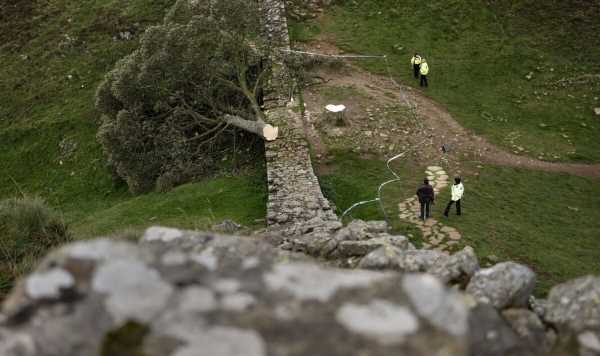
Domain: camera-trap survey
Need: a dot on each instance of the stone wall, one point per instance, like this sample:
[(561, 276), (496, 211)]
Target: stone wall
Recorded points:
[(295, 196), (275, 23), (294, 192)]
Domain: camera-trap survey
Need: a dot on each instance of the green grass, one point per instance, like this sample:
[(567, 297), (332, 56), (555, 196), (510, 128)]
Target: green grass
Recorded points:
[(341, 93), (351, 179), (54, 54), (480, 54), (302, 32), (191, 206), (48, 84), (548, 221), (40, 106)]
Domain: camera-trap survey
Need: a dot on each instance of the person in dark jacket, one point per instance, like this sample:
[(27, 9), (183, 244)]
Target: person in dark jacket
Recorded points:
[(426, 197)]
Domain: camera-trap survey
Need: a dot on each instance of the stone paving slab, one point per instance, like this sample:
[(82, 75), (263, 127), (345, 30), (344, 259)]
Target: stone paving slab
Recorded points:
[(435, 234)]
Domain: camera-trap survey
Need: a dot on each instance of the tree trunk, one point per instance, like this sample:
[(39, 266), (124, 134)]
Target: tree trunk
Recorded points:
[(266, 131)]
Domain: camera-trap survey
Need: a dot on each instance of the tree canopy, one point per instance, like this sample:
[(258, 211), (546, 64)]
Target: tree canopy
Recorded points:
[(166, 107)]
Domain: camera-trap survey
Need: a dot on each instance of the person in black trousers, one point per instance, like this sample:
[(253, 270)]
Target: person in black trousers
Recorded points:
[(426, 197), (415, 61), (457, 193)]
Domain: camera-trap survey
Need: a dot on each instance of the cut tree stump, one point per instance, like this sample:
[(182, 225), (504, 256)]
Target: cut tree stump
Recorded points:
[(338, 112)]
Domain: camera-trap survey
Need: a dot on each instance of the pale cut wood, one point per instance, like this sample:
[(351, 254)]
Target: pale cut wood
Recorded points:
[(260, 128)]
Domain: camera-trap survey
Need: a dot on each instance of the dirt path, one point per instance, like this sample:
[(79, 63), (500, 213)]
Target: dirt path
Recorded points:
[(440, 126)]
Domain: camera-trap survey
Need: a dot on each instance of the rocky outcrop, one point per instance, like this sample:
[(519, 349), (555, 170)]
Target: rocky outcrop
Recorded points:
[(190, 293), (183, 293)]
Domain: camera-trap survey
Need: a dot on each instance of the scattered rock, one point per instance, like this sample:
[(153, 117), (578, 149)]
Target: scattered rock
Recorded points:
[(382, 258), (491, 335), (530, 329), (459, 267), (507, 284), (361, 248), (574, 305), (406, 261), (227, 226)]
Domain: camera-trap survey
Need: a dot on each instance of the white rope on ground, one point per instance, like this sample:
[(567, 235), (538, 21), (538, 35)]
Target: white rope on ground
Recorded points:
[(331, 55), (379, 198)]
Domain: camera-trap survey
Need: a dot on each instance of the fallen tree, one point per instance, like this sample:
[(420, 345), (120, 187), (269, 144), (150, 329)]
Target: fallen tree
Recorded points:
[(173, 107), (266, 131)]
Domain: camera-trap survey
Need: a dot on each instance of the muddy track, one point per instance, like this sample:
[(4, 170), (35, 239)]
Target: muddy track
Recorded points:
[(442, 127), (435, 114)]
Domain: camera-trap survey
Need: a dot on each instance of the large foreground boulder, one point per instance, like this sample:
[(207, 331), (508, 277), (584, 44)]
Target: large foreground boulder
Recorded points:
[(193, 294)]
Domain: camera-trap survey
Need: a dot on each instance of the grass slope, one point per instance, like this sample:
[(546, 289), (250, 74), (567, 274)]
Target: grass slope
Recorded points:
[(480, 54), (350, 179), (53, 54), (191, 206), (548, 221)]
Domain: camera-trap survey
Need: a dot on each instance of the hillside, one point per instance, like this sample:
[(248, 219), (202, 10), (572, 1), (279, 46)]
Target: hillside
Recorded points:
[(524, 74), (545, 220), (54, 53)]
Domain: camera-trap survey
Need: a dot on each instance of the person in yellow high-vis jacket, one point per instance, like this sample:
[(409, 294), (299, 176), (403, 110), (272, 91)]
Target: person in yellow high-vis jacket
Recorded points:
[(424, 70), (415, 61)]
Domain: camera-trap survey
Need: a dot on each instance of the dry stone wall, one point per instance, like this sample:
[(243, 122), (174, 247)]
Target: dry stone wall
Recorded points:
[(275, 23), (295, 196)]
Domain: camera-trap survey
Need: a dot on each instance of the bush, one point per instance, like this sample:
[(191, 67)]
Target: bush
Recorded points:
[(28, 230)]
